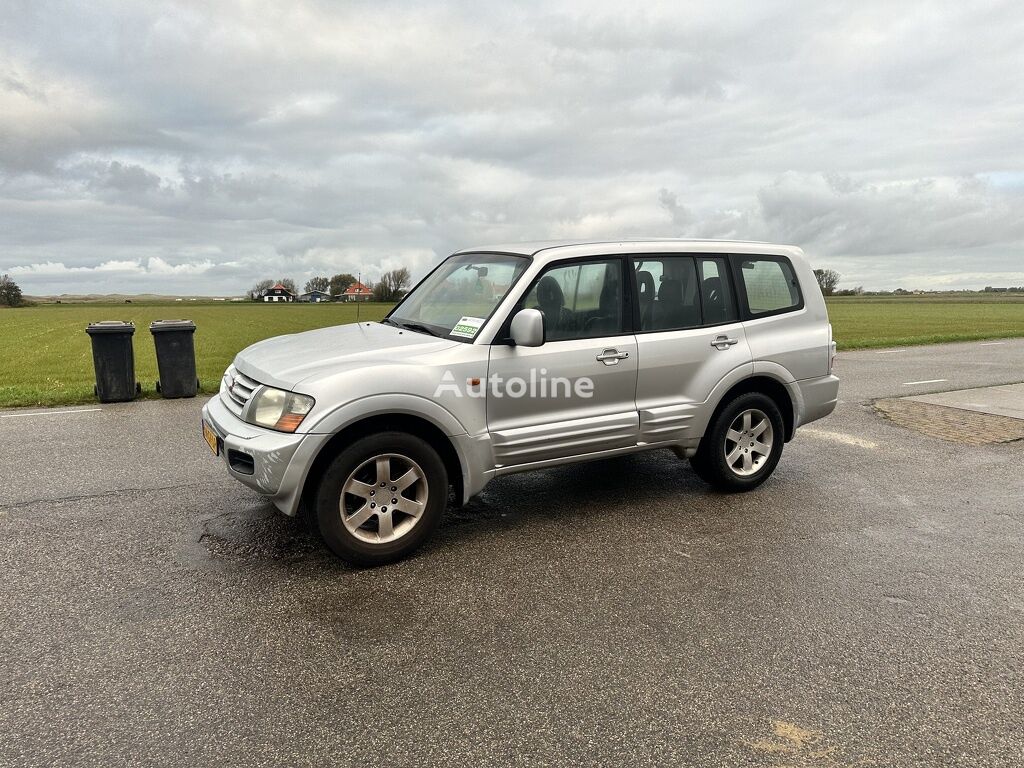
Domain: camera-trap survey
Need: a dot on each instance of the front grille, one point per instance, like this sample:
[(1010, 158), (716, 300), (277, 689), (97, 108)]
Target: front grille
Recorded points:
[(238, 388)]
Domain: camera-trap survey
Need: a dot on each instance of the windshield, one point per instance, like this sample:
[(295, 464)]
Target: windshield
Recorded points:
[(458, 297)]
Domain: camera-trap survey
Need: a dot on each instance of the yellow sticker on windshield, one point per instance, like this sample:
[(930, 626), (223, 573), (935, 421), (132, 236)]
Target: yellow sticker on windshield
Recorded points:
[(467, 327)]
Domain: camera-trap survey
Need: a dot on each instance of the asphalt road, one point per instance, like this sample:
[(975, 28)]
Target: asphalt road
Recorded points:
[(864, 607)]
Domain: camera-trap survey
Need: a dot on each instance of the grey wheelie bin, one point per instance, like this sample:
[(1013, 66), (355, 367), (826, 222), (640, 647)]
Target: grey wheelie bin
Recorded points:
[(114, 360), (175, 357)]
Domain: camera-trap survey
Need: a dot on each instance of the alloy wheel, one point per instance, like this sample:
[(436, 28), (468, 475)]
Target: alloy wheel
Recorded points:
[(748, 442), (383, 498)]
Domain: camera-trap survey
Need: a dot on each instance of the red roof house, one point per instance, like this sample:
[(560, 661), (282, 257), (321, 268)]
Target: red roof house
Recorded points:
[(357, 292)]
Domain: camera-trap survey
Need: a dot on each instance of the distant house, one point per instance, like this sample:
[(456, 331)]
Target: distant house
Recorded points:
[(356, 292), (315, 297), (278, 293)]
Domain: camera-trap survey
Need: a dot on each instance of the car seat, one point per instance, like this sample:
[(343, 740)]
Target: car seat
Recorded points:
[(558, 321), (645, 289), (714, 301)]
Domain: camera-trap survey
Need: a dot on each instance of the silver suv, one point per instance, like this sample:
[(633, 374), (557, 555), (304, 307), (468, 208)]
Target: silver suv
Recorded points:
[(517, 357)]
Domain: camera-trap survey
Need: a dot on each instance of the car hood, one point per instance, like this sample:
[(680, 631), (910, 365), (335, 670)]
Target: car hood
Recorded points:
[(286, 361)]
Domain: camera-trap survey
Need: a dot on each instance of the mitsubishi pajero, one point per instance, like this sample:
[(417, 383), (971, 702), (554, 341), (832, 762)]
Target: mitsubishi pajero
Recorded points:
[(516, 357)]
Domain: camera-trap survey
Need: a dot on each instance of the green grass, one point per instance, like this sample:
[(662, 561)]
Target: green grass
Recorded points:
[(869, 322), (46, 357)]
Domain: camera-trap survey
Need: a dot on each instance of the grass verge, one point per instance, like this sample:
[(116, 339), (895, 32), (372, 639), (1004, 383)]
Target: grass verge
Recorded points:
[(46, 357)]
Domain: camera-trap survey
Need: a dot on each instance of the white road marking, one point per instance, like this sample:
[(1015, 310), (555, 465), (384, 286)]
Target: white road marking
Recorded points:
[(889, 351), (991, 343), (839, 437), (46, 413), (926, 381)]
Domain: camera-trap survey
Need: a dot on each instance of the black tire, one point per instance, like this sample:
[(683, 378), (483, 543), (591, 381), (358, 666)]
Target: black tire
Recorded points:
[(345, 543), (710, 462)]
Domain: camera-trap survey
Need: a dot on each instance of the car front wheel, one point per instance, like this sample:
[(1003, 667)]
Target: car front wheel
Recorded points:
[(381, 498), (742, 445)]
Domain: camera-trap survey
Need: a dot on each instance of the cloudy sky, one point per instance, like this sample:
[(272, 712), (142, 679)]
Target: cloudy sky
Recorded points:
[(195, 147)]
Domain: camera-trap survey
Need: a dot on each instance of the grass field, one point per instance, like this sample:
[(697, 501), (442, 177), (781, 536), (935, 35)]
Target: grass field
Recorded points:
[(46, 358), (866, 322), (46, 355)]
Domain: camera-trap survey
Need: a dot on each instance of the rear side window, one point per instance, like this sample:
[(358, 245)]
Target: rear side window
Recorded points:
[(667, 293), (770, 285), (678, 292), (715, 291)]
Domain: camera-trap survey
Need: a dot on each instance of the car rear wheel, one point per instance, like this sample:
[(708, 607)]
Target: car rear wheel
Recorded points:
[(742, 445), (381, 498)]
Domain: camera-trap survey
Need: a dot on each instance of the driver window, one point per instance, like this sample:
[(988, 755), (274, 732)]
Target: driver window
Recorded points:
[(579, 301)]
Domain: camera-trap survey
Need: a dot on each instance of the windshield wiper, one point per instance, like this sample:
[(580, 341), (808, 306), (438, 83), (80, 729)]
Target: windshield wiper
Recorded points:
[(392, 322), (419, 327)]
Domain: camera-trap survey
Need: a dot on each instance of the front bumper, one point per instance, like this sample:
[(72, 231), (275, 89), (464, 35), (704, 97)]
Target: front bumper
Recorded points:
[(271, 463)]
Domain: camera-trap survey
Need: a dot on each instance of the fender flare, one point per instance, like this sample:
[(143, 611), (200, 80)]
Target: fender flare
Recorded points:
[(762, 368), (785, 378), (361, 408), (354, 411)]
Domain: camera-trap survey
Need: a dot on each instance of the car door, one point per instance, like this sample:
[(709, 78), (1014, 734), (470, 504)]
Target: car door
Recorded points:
[(689, 338), (574, 394)]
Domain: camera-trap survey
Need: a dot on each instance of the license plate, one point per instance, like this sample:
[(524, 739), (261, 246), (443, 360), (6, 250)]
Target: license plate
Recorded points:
[(211, 438)]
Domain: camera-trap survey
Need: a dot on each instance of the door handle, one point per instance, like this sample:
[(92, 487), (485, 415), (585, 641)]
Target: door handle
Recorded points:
[(612, 356), (723, 342)]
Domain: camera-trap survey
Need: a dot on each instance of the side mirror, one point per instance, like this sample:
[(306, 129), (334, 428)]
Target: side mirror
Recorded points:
[(528, 328)]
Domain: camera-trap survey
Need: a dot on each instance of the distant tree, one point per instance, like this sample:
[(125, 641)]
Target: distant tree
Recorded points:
[(317, 284), (828, 279), (288, 283), (392, 285), (10, 293), (339, 283), (256, 292)]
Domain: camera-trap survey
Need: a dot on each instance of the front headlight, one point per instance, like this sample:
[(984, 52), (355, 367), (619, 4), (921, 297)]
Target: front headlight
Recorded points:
[(280, 410)]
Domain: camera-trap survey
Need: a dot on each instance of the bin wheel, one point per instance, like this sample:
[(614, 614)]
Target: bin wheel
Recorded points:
[(138, 387), (95, 391), (158, 385)]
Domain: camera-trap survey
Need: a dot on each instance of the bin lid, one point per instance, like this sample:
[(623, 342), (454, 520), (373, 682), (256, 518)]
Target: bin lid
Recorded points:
[(110, 326), (162, 326)]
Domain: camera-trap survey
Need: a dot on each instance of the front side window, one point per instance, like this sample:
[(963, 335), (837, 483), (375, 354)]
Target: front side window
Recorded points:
[(458, 297), (580, 300), (770, 285)]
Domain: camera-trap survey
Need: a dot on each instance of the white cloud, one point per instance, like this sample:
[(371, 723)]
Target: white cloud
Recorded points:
[(204, 146), (841, 216), (59, 269), (153, 266)]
